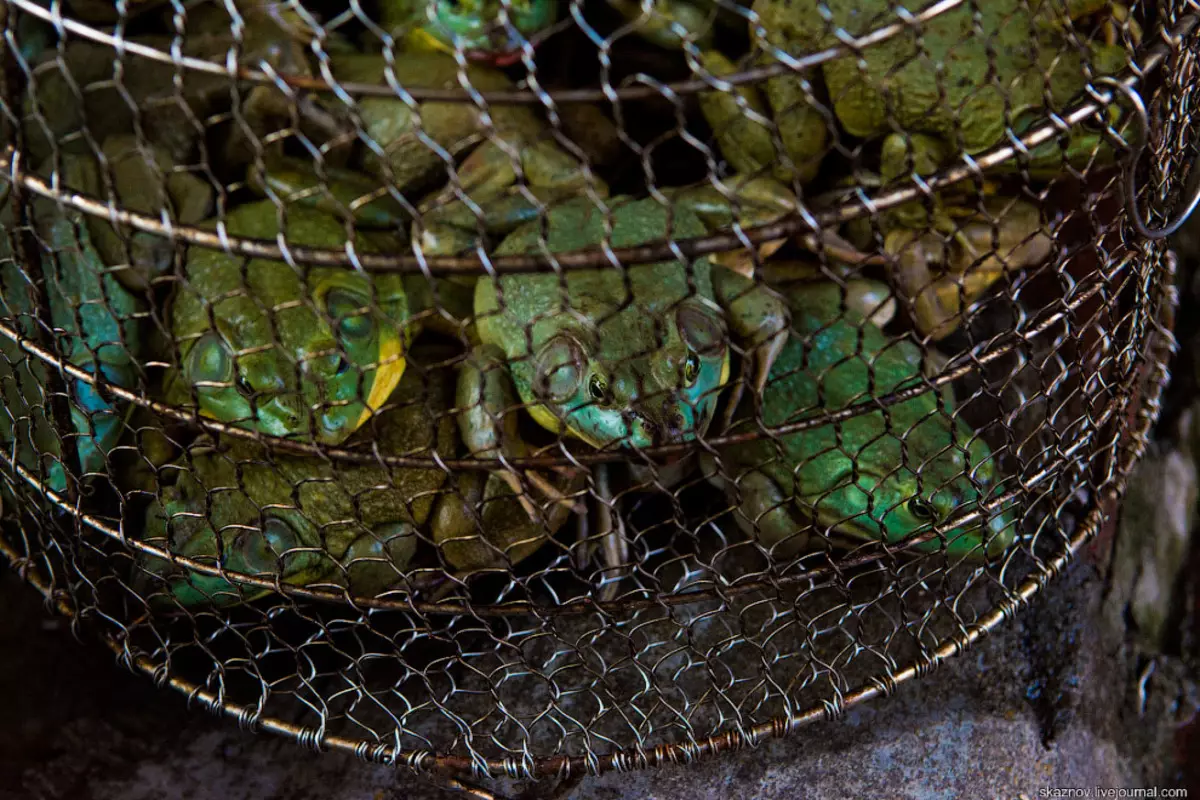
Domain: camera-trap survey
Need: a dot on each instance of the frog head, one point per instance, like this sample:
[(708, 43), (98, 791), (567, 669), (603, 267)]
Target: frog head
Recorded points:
[(318, 365), (489, 31), (608, 388), (886, 496)]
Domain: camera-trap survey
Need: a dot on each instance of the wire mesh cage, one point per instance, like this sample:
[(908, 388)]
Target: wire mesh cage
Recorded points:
[(528, 388)]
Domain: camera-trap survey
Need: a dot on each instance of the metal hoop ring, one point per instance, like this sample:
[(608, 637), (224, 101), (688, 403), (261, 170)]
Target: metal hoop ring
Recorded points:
[(1135, 155)]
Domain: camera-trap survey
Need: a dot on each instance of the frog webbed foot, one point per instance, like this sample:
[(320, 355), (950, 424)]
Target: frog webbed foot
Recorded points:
[(375, 562), (488, 422), (759, 317)]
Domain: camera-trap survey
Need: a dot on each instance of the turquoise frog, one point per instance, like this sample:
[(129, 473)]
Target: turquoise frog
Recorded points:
[(267, 347), (27, 432), (873, 477), (628, 358), (96, 321)]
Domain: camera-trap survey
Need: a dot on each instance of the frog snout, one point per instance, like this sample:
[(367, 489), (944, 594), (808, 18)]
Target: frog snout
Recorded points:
[(665, 425)]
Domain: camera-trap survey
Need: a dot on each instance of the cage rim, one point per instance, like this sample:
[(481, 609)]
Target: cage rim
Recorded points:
[(803, 220), (1132, 443)]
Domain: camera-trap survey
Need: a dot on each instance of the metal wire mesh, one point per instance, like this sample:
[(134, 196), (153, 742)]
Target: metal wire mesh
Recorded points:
[(530, 388)]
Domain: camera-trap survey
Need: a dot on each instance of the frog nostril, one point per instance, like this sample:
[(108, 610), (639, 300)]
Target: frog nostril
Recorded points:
[(343, 366)]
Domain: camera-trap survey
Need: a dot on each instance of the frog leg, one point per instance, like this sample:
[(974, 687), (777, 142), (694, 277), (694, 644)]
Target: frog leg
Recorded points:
[(759, 317), (768, 516), (746, 202), (490, 197), (454, 227), (613, 544), (374, 562), (871, 299), (487, 401), (479, 526), (667, 23)]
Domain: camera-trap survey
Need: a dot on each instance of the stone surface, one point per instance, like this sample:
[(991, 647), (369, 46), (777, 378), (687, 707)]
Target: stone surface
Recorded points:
[(1047, 701)]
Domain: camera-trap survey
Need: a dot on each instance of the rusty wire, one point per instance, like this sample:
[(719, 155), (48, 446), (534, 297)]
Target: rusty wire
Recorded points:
[(297, 318)]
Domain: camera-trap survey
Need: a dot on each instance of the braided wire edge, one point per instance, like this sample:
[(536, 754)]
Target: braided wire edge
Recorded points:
[(1155, 373)]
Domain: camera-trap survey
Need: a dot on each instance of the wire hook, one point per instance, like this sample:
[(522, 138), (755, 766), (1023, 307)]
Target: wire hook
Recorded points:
[(1135, 155)]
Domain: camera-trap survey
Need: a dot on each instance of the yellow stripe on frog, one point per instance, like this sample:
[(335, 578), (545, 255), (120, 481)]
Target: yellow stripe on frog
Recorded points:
[(387, 375)]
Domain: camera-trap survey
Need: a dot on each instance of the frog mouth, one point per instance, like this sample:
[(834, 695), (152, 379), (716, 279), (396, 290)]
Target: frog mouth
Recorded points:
[(498, 59)]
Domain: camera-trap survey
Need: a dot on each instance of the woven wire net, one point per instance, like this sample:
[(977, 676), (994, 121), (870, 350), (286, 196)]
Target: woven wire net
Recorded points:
[(524, 388)]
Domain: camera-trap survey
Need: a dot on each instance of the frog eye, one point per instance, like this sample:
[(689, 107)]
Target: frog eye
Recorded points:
[(210, 359), (560, 368), (346, 310), (243, 385), (691, 368), (598, 388), (922, 510)]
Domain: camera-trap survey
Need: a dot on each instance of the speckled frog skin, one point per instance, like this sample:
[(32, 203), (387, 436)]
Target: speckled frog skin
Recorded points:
[(303, 518), (267, 348), (980, 90), (858, 478)]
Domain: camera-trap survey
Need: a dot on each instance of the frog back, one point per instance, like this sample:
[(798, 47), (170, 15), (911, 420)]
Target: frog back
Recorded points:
[(403, 129), (970, 96), (259, 301), (833, 361), (413, 423), (619, 305)]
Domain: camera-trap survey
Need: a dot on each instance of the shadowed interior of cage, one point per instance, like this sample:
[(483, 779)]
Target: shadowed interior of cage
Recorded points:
[(511, 381)]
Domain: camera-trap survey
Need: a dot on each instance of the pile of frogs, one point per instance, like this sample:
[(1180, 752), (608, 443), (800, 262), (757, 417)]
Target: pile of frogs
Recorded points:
[(404, 365)]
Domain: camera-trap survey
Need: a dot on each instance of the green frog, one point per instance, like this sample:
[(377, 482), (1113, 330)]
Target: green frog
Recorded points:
[(145, 180), (938, 276), (869, 478), (97, 322), (893, 85), (627, 358), (269, 347), (984, 91), (307, 520), (354, 525)]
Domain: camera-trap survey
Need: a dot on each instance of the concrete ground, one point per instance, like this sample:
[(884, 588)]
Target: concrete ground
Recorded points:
[(1049, 701)]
